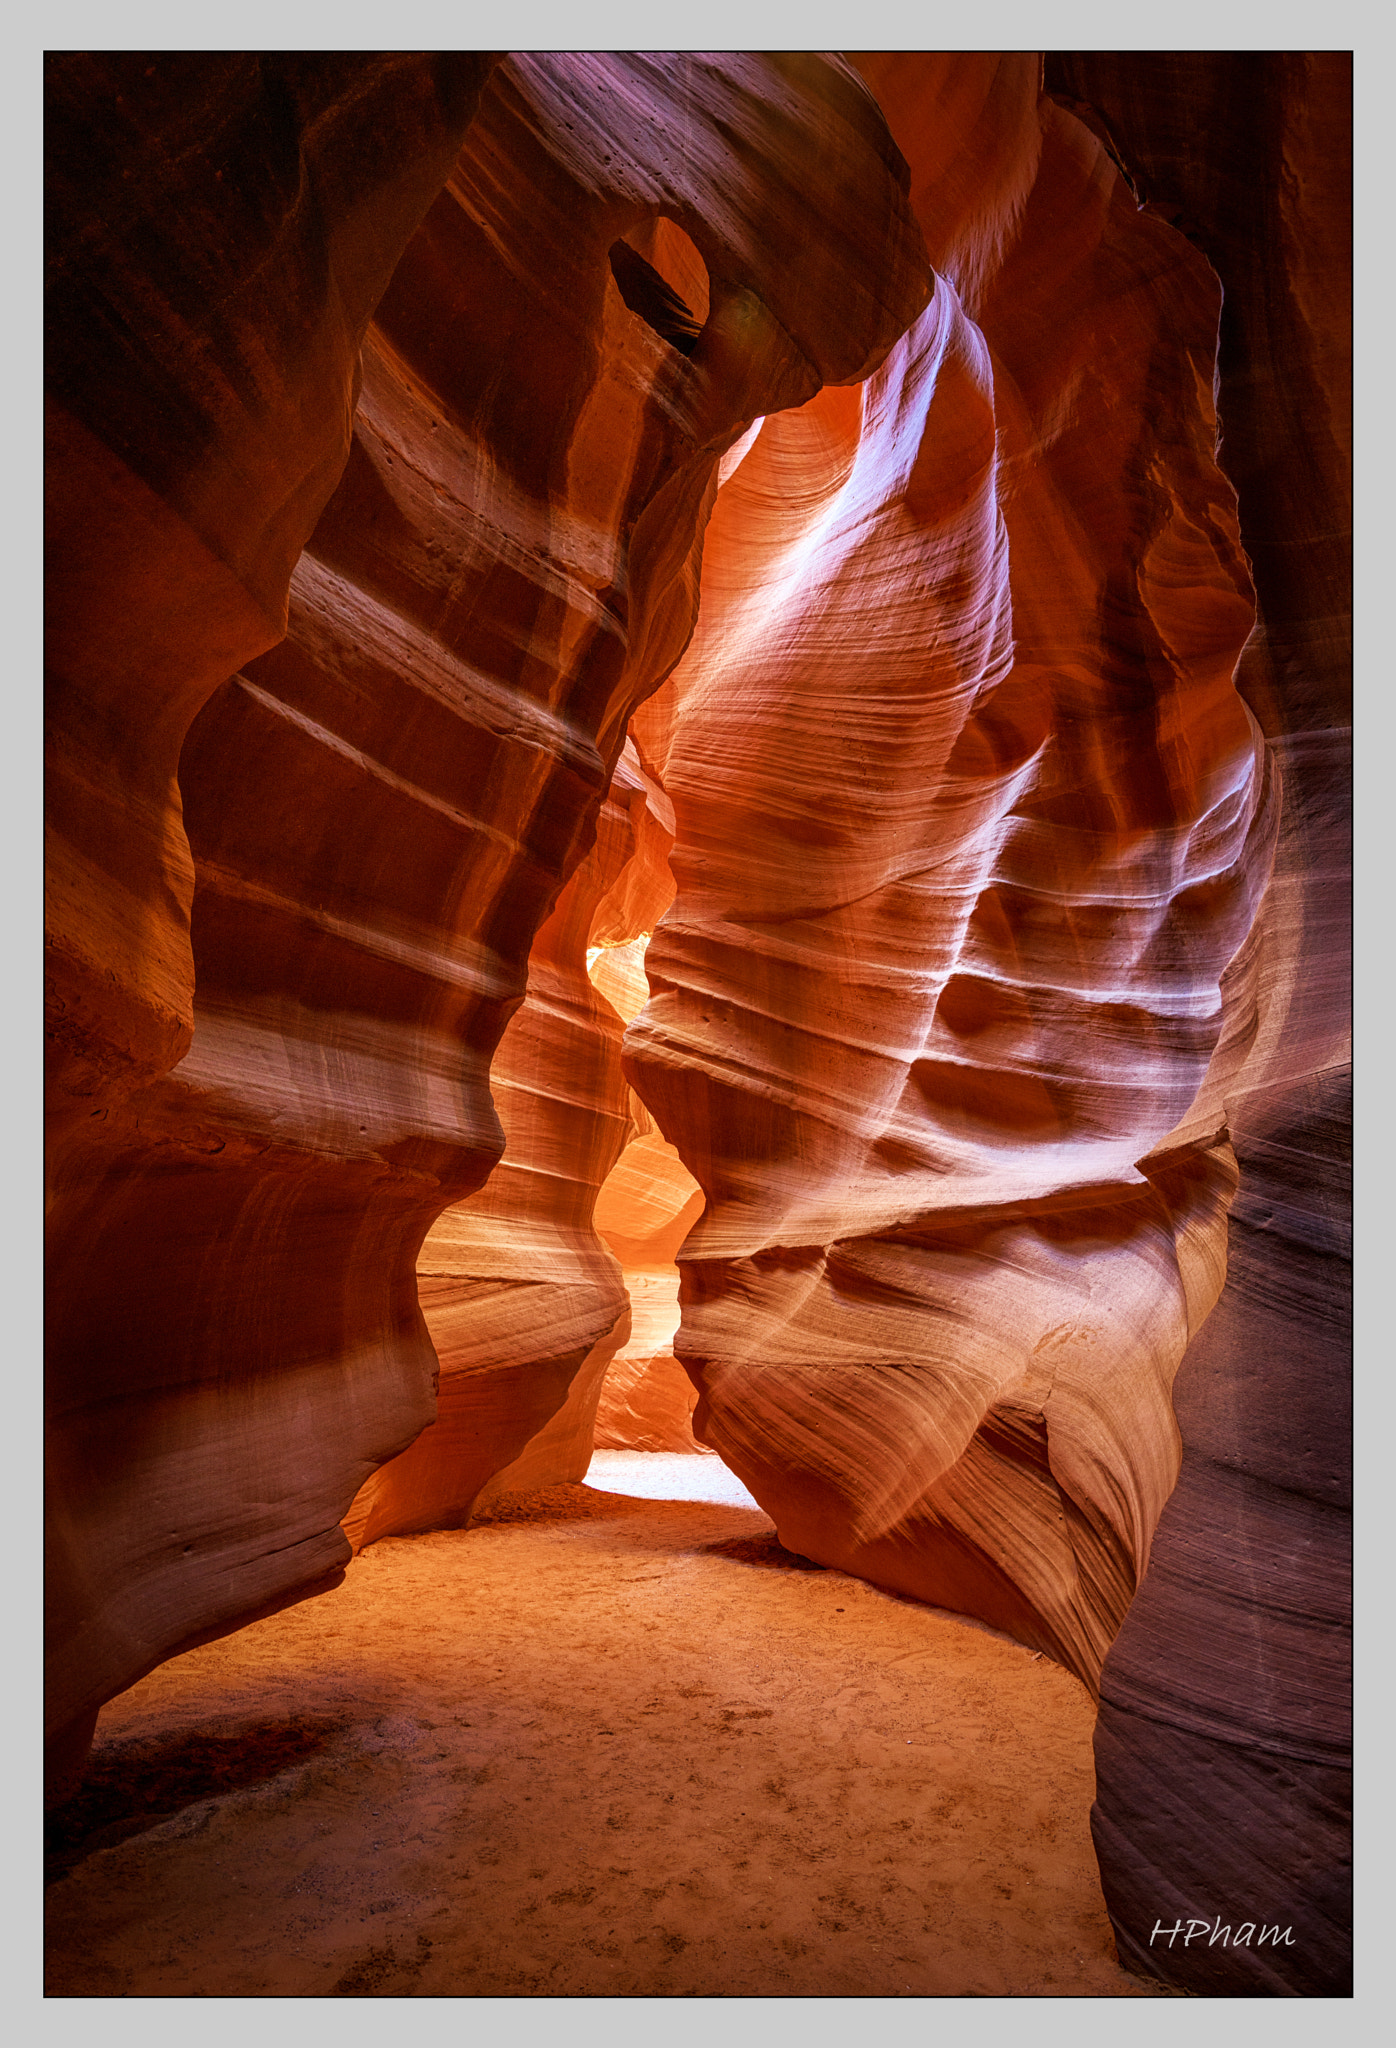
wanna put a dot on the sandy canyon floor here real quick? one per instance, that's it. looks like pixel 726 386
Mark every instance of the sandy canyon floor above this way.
pixel 599 1744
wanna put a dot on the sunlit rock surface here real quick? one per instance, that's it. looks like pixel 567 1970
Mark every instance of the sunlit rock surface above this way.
pixel 646 1208
pixel 1009 768
pixel 971 824
pixel 647 1399
pixel 524 1302
pixel 1001 914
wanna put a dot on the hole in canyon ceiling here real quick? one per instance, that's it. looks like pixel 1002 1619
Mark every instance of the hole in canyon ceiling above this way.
pixel 664 280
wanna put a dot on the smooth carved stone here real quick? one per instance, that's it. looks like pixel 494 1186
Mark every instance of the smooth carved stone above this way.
pixel 649 1201
pixel 524 1302
pixel 972 830
pixel 384 808
pixel 1223 1745
pixel 218 231
pixel 648 1205
pixel 647 1399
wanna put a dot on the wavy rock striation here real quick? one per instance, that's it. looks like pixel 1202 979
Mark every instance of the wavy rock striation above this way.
pixel 524 1303
pixel 1008 768
pixel 646 1209
pixel 382 809
pixel 1223 1747
pixel 219 230
pixel 972 826
pixel 1010 772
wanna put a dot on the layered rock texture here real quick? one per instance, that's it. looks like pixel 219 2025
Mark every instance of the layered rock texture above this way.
pixel 645 1210
pixel 267 1099
pixel 971 823
pixel 973 977
pixel 220 230
pixel 950 973
pixel 524 1302
pixel 1223 1747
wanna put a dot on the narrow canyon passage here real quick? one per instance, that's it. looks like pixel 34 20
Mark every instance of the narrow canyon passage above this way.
pixel 697 801
pixel 593 1745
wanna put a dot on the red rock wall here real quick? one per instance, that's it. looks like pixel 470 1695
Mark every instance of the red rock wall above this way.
pixel 1011 865
pixel 219 231
pixel 1223 1744
pixel 1009 768
pixel 971 824
pixel 524 1302
pixel 648 1205
pixel 382 809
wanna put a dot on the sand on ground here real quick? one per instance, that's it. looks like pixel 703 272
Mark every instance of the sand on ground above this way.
pixel 597 1744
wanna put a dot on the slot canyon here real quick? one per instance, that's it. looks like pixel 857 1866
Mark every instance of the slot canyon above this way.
pixel 698 1024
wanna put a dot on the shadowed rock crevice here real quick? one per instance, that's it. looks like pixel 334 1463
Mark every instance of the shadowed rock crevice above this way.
pixel 658 305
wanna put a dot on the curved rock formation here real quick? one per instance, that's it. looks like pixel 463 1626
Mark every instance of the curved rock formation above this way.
pixel 1223 1748
pixel 648 1205
pixel 219 230
pixel 973 977
pixel 524 1302
pixel 383 809
pixel 1008 766
pixel 646 1400
pixel 971 824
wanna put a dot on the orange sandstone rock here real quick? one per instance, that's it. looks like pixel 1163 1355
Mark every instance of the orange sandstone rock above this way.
pixel 524 1302
pixel 971 826
pixel 645 1210
pixel 1223 1748
pixel 1009 775
pixel 383 808
pixel 219 229
pixel 647 1399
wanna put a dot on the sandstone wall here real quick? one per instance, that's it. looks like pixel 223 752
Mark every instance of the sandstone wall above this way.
pixel 382 806
pixel 1223 1748
pixel 646 1208
pixel 1010 862
pixel 524 1302
pixel 390 401
pixel 219 230
pixel 971 825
